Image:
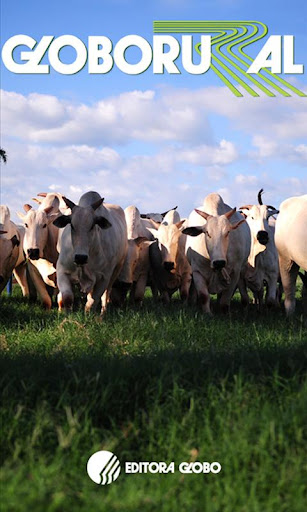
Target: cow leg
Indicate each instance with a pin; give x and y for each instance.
(289, 271)
(185, 287)
(271, 294)
(139, 289)
(304, 299)
(65, 295)
(89, 302)
(100, 293)
(40, 286)
(20, 274)
(166, 297)
(202, 292)
(243, 292)
(228, 293)
(192, 294)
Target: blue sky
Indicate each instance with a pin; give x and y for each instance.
(149, 140)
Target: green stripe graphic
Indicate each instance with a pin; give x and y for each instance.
(228, 65)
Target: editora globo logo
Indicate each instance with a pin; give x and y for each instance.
(103, 467)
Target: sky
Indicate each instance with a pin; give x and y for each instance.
(155, 141)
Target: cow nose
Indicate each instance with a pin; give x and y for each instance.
(33, 254)
(1, 279)
(169, 265)
(218, 264)
(263, 237)
(81, 259)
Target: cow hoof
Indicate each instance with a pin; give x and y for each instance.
(224, 309)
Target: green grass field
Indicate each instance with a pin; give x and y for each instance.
(159, 384)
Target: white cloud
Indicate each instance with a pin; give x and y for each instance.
(243, 179)
(222, 154)
(54, 144)
(135, 115)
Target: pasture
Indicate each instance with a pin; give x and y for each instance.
(156, 384)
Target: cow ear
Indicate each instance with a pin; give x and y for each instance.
(62, 221)
(15, 241)
(272, 212)
(192, 231)
(102, 222)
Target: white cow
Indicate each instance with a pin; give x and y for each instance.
(291, 243)
(40, 244)
(263, 265)
(11, 252)
(170, 267)
(135, 271)
(93, 250)
(217, 249)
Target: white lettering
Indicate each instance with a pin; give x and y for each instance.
(272, 47)
(99, 47)
(187, 55)
(79, 62)
(119, 54)
(165, 60)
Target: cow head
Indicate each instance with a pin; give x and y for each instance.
(84, 222)
(36, 224)
(216, 231)
(157, 217)
(257, 217)
(168, 240)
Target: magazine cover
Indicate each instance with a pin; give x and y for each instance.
(153, 256)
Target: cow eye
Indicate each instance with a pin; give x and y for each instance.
(26, 225)
(45, 225)
(253, 218)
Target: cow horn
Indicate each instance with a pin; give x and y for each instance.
(27, 207)
(230, 213)
(203, 214)
(2, 232)
(272, 208)
(246, 207)
(164, 213)
(39, 201)
(42, 194)
(97, 203)
(69, 203)
(259, 196)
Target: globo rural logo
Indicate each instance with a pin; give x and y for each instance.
(103, 467)
(221, 46)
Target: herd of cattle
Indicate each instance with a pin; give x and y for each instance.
(111, 253)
